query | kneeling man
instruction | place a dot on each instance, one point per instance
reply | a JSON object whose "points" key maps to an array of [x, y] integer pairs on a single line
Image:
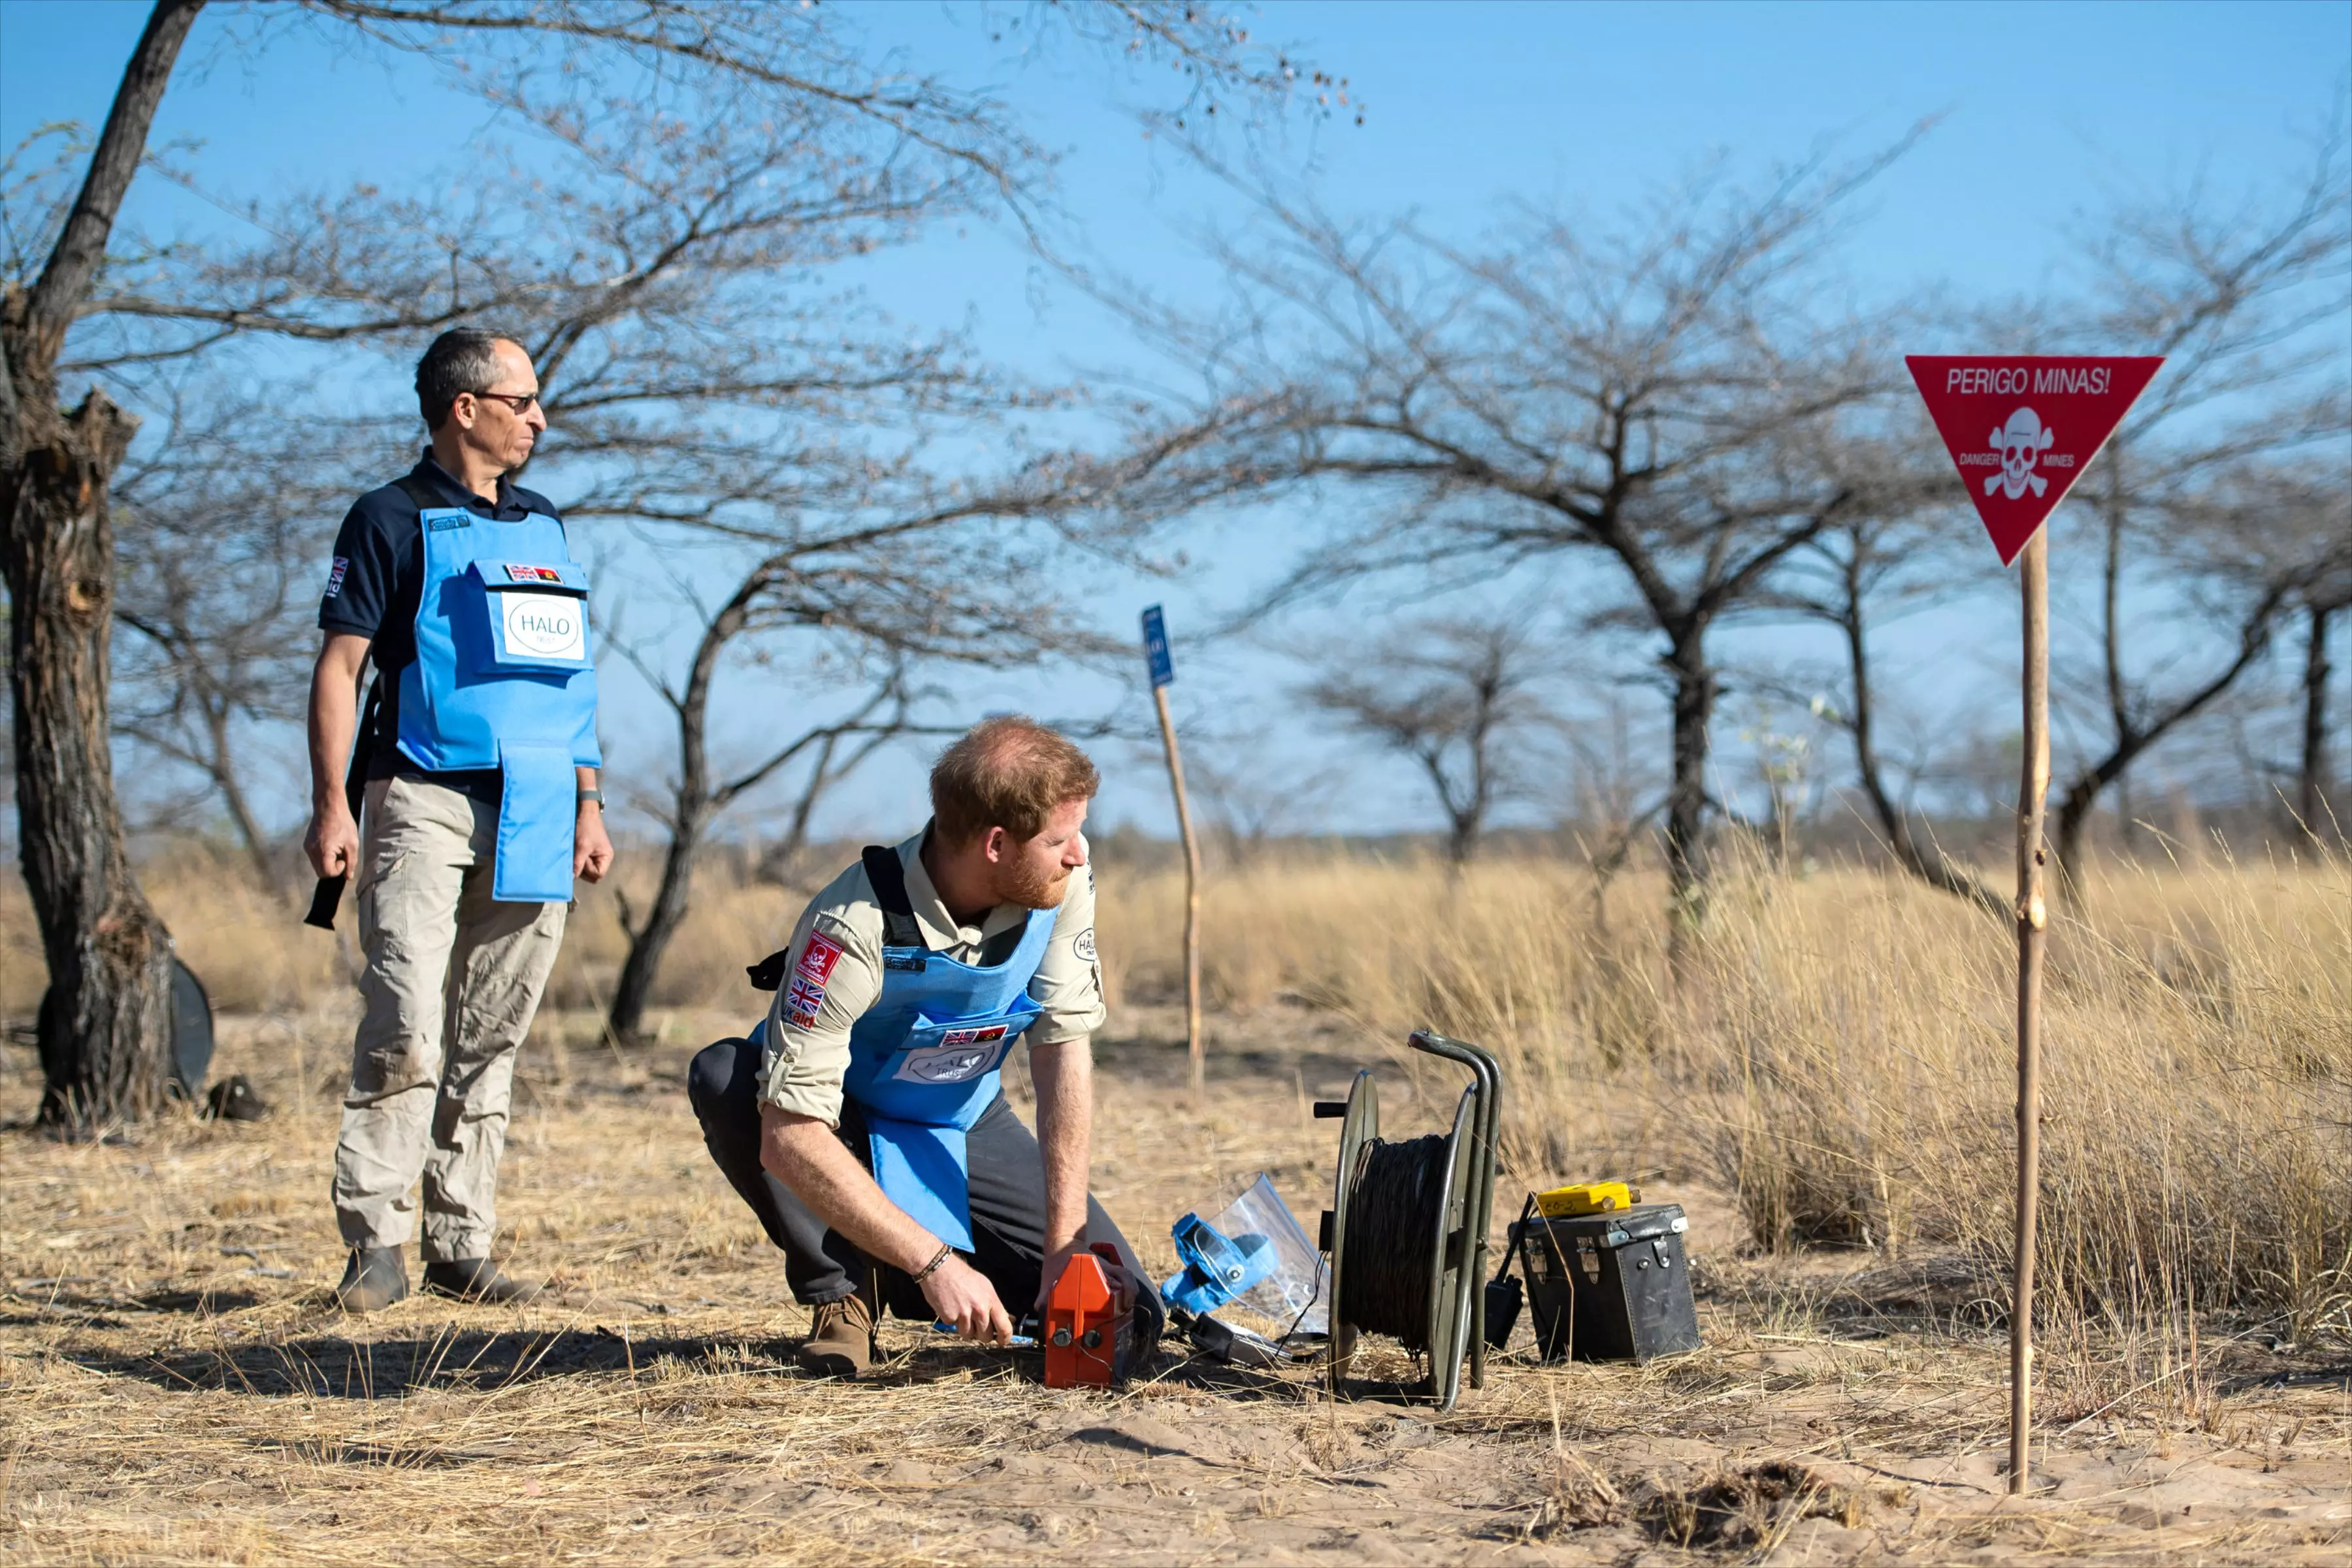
{"points": [[865, 1123]]}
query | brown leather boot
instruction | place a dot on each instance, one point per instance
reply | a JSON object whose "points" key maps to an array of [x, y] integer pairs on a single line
{"points": [[841, 1339]]}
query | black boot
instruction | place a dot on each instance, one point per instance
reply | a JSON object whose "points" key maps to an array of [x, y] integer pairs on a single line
{"points": [[476, 1279], [374, 1280]]}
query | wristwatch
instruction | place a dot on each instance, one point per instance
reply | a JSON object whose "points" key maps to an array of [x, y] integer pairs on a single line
{"points": [[588, 795]]}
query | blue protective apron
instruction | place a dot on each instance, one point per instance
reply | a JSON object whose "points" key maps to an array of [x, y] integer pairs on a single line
{"points": [[504, 678], [925, 1060]]}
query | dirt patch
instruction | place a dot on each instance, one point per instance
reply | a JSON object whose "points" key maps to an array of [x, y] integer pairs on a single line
{"points": [[176, 1388]]}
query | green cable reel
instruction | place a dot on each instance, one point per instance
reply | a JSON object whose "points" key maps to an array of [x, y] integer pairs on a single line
{"points": [[1442, 1307]]}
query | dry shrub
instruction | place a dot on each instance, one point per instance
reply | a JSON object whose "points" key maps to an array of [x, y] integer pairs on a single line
{"points": [[730, 924], [252, 952], [1750, 1508], [1837, 1053], [246, 942], [1840, 1052]]}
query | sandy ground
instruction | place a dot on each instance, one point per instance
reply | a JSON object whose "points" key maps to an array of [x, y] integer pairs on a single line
{"points": [[176, 1387]]}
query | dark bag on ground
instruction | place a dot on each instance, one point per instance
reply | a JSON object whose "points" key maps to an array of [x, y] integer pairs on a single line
{"points": [[1613, 1286]]}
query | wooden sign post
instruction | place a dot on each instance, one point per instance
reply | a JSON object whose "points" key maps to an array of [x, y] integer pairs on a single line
{"points": [[2048, 418], [1163, 672], [2032, 933]]}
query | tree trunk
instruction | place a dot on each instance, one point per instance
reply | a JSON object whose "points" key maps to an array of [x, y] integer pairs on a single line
{"points": [[651, 940], [2111, 654], [1893, 820], [105, 1022], [2083, 793], [104, 1026], [689, 815], [2310, 793], [2075, 808], [223, 770], [1695, 689]]}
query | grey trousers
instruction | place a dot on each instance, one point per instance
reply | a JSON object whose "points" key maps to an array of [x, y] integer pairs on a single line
{"points": [[453, 979]]}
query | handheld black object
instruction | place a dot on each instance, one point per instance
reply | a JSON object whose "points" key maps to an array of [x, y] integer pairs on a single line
{"points": [[325, 899], [328, 896]]}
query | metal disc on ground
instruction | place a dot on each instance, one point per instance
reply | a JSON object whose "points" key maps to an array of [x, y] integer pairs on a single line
{"points": [[192, 1030]]}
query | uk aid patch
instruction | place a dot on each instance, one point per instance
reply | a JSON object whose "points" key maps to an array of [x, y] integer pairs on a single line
{"points": [[801, 999], [335, 574]]}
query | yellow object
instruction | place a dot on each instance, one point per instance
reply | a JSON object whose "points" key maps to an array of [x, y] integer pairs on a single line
{"points": [[1589, 1197]]}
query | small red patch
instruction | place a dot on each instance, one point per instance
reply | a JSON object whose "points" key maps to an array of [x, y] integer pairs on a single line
{"points": [[818, 958]]}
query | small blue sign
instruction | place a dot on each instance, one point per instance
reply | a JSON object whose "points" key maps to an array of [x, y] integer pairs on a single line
{"points": [[1155, 648]]}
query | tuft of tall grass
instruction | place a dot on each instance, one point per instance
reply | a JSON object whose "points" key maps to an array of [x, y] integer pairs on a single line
{"points": [[1835, 1051], [1838, 1050]]}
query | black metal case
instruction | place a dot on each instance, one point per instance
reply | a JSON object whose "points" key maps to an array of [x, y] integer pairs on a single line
{"points": [[1610, 1287]]}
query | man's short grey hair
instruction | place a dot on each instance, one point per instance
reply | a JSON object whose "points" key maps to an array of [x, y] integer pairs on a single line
{"points": [[462, 358]]}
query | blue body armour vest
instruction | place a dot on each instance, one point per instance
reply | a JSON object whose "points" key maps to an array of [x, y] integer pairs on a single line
{"points": [[927, 1059], [504, 678]]}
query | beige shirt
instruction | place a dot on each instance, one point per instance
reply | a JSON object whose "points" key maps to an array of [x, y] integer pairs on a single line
{"points": [[808, 1027]]}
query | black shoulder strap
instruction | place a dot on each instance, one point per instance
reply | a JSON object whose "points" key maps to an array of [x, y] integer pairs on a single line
{"points": [[899, 927], [889, 880], [421, 492]]}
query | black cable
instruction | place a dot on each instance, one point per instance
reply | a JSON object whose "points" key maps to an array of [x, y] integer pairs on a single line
{"points": [[1392, 1237]]}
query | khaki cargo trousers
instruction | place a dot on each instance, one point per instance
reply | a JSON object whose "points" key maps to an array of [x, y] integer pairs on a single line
{"points": [[452, 981]]}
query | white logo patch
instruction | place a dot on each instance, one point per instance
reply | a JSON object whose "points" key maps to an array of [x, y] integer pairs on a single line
{"points": [[548, 624], [1085, 944], [946, 1064]]}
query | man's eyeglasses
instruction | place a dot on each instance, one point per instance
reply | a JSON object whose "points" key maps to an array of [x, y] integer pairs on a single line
{"points": [[520, 402]]}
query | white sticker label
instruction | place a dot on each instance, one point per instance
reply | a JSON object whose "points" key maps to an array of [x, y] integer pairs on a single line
{"points": [[551, 626], [947, 1064]]}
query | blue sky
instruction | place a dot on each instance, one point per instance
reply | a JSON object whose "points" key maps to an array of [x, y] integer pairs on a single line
{"points": [[2044, 112]]}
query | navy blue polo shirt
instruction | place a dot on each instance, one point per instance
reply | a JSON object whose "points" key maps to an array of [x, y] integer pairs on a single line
{"points": [[374, 586]]}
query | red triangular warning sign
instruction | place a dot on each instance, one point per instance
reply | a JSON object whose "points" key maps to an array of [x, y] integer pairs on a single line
{"points": [[2022, 427]]}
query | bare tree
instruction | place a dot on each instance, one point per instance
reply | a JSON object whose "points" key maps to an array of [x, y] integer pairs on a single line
{"points": [[1615, 796], [103, 1021], [1663, 404], [1454, 696], [761, 94], [1868, 568], [2248, 306], [221, 538], [937, 584], [2326, 595], [1252, 799]]}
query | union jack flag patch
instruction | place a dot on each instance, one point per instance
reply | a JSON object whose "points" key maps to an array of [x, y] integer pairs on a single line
{"points": [[802, 1000], [533, 574]]}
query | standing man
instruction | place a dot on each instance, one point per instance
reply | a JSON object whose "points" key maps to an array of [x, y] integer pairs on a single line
{"points": [[865, 1124], [479, 756]]}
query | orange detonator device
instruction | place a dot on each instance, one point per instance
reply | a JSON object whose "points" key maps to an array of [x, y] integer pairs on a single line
{"points": [[1087, 1321]]}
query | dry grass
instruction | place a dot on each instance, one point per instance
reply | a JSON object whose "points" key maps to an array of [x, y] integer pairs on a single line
{"points": [[1841, 1054], [178, 1390], [174, 1386]]}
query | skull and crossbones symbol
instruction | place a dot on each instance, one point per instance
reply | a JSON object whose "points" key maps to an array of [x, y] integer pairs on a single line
{"points": [[2020, 444]]}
